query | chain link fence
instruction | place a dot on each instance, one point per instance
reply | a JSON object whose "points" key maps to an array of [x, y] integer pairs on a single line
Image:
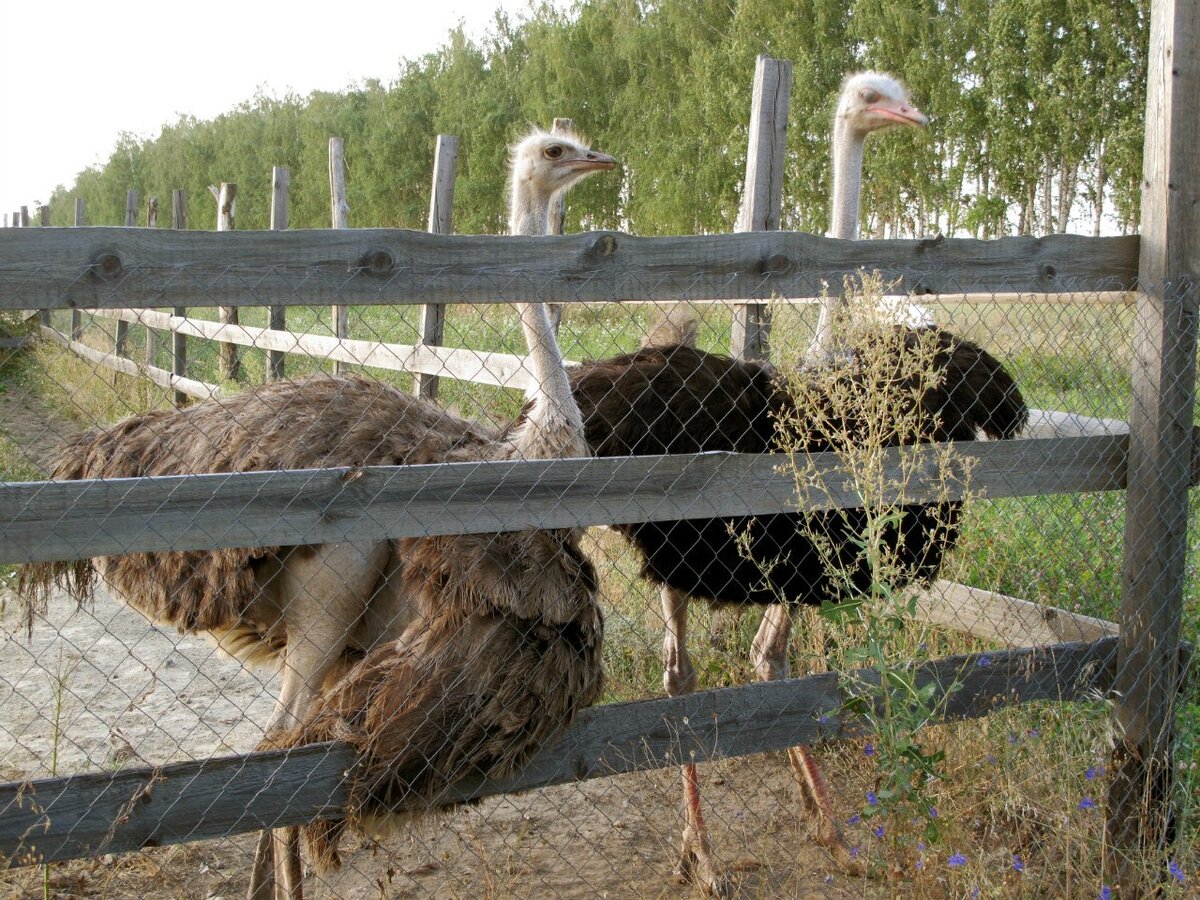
{"points": [[981, 584]]}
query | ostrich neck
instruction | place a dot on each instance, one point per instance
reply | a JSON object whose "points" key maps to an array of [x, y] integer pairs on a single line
{"points": [[847, 180], [554, 426]]}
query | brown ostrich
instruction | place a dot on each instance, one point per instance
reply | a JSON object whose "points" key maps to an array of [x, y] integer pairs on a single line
{"points": [[484, 645]]}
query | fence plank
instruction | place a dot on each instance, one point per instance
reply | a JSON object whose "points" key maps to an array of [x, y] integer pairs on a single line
{"points": [[503, 369], [63, 818], [432, 324], [114, 268], [178, 341], [1155, 566], [340, 210], [281, 180], [762, 190], [70, 519]]}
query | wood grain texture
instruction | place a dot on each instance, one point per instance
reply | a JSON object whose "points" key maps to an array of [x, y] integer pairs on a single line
{"points": [[115, 267], [281, 180], [74, 519], [64, 818]]}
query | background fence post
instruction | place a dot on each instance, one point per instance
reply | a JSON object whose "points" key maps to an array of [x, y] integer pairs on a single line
{"points": [[121, 341], [76, 315], [226, 197], [341, 219], [24, 216], [151, 334], [281, 180], [179, 341], [441, 221], [44, 221], [1160, 454], [762, 193]]}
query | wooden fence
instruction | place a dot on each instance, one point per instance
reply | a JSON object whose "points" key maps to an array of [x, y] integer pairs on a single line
{"points": [[125, 272]]}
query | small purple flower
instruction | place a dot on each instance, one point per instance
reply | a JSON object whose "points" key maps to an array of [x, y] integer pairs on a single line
{"points": [[992, 760], [920, 845], [920, 864], [854, 851], [1090, 774], [872, 799], [869, 750], [975, 891], [1087, 803], [878, 831], [824, 719], [1012, 737], [1105, 893], [983, 661], [1176, 871], [933, 812], [854, 819], [957, 860], [1033, 732]]}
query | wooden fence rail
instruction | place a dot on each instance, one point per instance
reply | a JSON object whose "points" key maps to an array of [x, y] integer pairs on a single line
{"points": [[85, 815], [118, 268]]}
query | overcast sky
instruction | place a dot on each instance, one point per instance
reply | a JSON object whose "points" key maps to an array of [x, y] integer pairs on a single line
{"points": [[75, 75]]}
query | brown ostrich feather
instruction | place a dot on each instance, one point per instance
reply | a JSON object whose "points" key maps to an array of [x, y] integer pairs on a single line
{"points": [[310, 423], [504, 653]]}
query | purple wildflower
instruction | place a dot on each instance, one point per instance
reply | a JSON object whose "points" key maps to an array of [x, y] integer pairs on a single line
{"points": [[1087, 803], [854, 819], [872, 799], [975, 891], [983, 661], [933, 812], [1090, 774], [957, 860], [921, 864], [920, 845], [1176, 871], [878, 831], [869, 750], [1033, 732], [1105, 893], [1018, 865], [854, 851]]}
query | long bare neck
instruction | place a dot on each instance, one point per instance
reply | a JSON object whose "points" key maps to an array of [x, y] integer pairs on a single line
{"points": [[847, 180], [553, 426]]}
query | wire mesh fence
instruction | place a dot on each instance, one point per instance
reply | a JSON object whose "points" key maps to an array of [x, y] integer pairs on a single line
{"points": [[397, 611]]}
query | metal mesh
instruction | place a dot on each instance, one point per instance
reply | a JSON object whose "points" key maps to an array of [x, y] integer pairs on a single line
{"points": [[1003, 798]]}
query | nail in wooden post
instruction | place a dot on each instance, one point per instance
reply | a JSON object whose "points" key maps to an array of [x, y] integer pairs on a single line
{"points": [[441, 209]]}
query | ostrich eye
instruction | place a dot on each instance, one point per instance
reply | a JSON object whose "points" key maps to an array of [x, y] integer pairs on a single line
{"points": [[870, 96], [554, 151]]}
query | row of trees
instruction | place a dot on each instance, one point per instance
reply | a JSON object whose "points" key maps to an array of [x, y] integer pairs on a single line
{"points": [[1037, 111]]}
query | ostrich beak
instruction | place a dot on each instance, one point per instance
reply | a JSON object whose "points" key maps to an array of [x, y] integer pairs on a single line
{"points": [[592, 161], [900, 114]]}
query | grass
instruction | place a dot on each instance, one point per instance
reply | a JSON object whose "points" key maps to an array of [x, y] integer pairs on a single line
{"points": [[1014, 799]]}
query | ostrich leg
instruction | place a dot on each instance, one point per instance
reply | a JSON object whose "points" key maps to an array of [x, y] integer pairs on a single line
{"points": [[696, 862], [769, 652]]}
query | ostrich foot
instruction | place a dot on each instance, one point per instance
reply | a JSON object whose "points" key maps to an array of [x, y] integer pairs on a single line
{"points": [[696, 865], [814, 794]]}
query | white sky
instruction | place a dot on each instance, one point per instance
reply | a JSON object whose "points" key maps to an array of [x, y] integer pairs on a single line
{"points": [[75, 75]]}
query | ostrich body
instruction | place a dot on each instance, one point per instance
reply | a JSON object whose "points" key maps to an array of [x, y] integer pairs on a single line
{"points": [[868, 102], [672, 398], [483, 645]]}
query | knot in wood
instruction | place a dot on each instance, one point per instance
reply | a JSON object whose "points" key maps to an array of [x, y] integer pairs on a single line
{"points": [[107, 264], [377, 262], [602, 245], [929, 243], [1049, 271], [775, 264]]}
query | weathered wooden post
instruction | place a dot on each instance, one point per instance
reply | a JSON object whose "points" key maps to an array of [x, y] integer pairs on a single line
{"points": [[341, 219], [151, 334], [762, 194], [1160, 453], [226, 197], [44, 221], [179, 341], [441, 218], [121, 341], [76, 315], [24, 216], [281, 180]]}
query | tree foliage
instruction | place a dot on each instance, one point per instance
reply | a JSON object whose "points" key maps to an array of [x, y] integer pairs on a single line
{"points": [[1036, 111]]}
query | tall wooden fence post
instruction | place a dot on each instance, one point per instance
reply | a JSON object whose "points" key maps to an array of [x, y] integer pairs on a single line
{"points": [[1155, 567], [226, 197], [341, 219], [432, 324], [151, 334], [1160, 452], [179, 341], [762, 193], [281, 180], [44, 221], [24, 216], [121, 341], [76, 315]]}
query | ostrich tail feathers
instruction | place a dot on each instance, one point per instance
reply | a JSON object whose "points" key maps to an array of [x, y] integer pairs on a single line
{"points": [[678, 326], [982, 393], [322, 841]]}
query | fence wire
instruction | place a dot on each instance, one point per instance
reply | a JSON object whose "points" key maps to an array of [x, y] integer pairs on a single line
{"points": [[950, 790]]}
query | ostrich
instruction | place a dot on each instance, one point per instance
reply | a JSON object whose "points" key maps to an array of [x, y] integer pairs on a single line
{"points": [[868, 102], [502, 632], [670, 397]]}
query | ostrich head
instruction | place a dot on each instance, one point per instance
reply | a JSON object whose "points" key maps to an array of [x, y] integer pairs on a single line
{"points": [[545, 165], [871, 101]]}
